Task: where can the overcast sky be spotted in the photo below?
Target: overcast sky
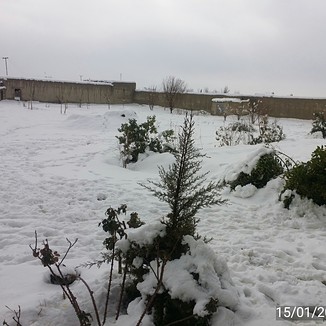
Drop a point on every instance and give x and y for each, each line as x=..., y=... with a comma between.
x=252, y=46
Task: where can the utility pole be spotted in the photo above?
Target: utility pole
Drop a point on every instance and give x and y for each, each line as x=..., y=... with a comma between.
x=6, y=64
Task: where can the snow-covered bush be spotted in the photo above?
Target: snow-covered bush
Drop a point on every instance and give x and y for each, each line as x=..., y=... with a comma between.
x=244, y=133
x=319, y=124
x=235, y=133
x=172, y=273
x=267, y=168
x=307, y=179
x=189, y=288
x=263, y=165
x=137, y=138
x=268, y=132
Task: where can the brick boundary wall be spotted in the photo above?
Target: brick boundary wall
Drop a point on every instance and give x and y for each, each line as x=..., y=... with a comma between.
x=278, y=107
x=69, y=92
x=125, y=92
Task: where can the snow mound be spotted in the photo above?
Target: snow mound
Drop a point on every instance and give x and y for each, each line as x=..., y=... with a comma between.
x=109, y=120
x=150, y=161
x=247, y=165
x=245, y=191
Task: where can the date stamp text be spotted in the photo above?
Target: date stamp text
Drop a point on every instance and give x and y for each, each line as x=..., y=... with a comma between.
x=301, y=312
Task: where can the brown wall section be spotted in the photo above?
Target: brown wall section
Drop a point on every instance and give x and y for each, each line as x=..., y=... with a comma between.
x=125, y=92
x=62, y=92
x=187, y=101
x=300, y=108
x=278, y=107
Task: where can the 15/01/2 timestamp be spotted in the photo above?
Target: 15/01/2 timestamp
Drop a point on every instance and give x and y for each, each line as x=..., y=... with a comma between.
x=301, y=312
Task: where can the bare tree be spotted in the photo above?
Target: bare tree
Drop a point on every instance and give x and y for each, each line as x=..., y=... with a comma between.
x=257, y=110
x=63, y=97
x=151, y=96
x=81, y=95
x=226, y=89
x=172, y=88
x=107, y=96
x=31, y=95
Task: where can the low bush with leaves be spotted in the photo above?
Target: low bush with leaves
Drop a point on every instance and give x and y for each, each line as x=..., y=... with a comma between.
x=137, y=138
x=307, y=179
x=319, y=124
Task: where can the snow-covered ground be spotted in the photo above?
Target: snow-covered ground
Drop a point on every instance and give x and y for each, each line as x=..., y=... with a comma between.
x=54, y=169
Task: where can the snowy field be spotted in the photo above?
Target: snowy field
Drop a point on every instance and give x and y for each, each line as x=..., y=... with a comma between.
x=55, y=167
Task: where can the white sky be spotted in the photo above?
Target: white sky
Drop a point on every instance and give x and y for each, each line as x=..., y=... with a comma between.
x=253, y=46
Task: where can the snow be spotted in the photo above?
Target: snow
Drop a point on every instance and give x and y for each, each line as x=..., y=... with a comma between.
x=49, y=79
x=142, y=235
x=60, y=173
x=247, y=165
x=229, y=99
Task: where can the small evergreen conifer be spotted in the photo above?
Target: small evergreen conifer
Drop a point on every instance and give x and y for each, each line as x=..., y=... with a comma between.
x=182, y=187
x=173, y=241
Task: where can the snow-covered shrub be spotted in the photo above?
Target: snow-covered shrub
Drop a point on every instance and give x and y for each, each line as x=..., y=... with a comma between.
x=307, y=179
x=172, y=273
x=268, y=132
x=244, y=133
x=261, y=166
x=137, y=138
x=267, y=168
x=234, y=134
x=319, y=124
x=189, y=288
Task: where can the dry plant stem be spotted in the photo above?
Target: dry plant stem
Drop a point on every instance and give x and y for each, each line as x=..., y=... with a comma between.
x=73, y=299
x=65, y=287
x=109, y=286
x=71, y=244
x=66, y=290
x=93, y=301
x=121, y=293
x=16, y=318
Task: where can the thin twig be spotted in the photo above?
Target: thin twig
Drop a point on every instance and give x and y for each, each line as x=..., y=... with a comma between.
x=66, y=290
x=17, y=315
x=71, y=244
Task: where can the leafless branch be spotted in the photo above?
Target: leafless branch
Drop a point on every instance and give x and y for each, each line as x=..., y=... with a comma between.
x=71, y=244
x=17, y=316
